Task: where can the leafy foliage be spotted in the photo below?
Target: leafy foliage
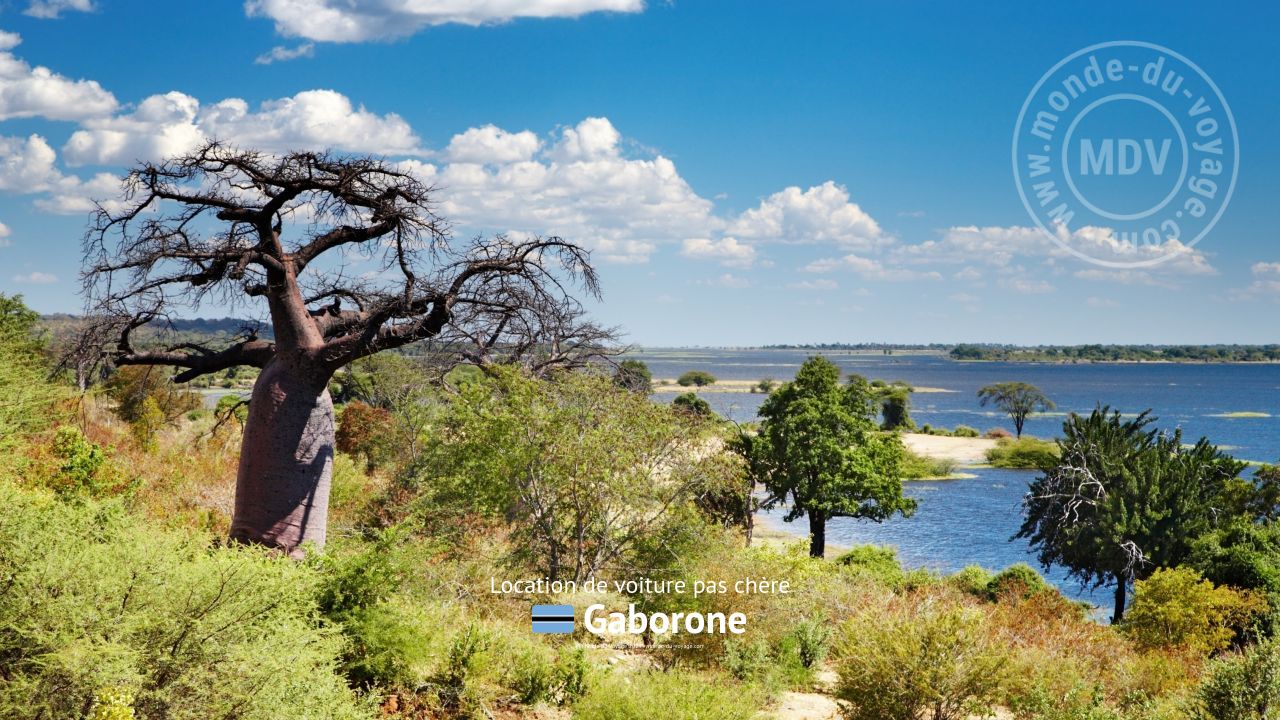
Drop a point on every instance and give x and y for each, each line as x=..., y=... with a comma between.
x=634, y=375
x=1177, y=608
x=1023, y=453
x=934, y=663
x=690, y=404
x=1018, y=399
x=696, y=378
x=1124, y=499
x=1243, y=687
x=96, y=599
x=820, y=450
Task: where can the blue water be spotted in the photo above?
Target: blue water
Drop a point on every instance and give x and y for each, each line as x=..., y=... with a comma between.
x=970, y=521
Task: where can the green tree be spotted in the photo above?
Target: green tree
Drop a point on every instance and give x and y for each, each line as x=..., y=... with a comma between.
x=895, y=405
x=1124, y=499
x=1177, y=608
x=583, y=470
x=1018, y=399
x=26, y=395
x=819, y=450
x=634, y=375
x=696, y=378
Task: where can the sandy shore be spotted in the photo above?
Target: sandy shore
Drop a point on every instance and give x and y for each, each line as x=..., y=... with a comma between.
x=963, y=450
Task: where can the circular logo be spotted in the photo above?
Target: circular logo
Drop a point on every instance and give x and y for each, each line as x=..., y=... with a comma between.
x=1125, y=154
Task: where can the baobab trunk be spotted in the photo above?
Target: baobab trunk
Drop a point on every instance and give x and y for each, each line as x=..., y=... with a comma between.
x=286, y=459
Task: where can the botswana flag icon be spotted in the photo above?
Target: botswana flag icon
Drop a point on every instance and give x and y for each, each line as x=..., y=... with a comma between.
x=552, y=618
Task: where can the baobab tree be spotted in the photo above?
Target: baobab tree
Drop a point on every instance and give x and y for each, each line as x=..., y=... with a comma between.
x=287, y=233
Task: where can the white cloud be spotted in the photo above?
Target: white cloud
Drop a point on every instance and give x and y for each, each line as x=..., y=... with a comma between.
x=174, y=122
x=27, y=167
x=727, y=250
x=52, y=9
x=39, y=92
x=1101, y=303
x=492, y=145
x=36, y=278
x=822, y=214
x=581, y=187
x=281, y=53
x=5, y=232
x=346, y=21
x=1266, y=282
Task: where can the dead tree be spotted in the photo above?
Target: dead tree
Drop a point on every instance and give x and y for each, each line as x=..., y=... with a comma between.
x=286, y=233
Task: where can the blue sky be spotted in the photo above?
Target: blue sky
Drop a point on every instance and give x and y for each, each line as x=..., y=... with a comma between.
x=744, y=172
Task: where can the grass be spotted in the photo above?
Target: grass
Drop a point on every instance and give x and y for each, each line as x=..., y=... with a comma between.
x=918, y=467
x=1241, y=414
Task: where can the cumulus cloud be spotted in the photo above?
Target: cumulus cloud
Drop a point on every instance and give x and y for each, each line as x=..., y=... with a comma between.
x=728, y=280
x=821, y=214
x=1026, y=286
x=52, y=9
x=36, y=278
x=280, y=53
x=39, y=92
x=727, y=250
x=28, y=166
x=346, y=21
x=492, y=144
x=5, y=232
x=580, y=186
x=174, y=122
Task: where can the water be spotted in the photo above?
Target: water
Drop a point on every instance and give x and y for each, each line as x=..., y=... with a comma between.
x=970, y=521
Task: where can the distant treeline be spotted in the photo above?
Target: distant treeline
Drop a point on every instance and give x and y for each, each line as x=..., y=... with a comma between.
x=173, y=331
x=876, y=347
x=1118, y=353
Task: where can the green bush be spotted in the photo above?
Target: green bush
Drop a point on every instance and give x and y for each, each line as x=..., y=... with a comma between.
x=692, y=404
x=1026, y=453
x=96, y=601
x=878, y=562
x=1241, y=687
x=669, y=696
x=916, y=466
x=972, y=579
x=1018, y=580
x=931, y=662
x=1177, y=608
x=965, y=431
x=812, y=639
x=697, y=378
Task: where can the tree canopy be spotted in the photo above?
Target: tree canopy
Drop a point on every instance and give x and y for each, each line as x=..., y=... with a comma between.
x=819, y=449
x=1018, y=399
x=1125, y=499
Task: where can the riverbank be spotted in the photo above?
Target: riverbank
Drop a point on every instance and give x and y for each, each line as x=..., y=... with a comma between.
x=669, y=385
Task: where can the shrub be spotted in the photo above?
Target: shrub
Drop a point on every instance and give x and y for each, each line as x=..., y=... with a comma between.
x=690, y=404
x=972, y=579
x=132, y=385
x=1023, y=453
x=95, y=600
x=965, y=431
x=1177, y=608
x=670, y=696
x=1241, y=687
x=916, y=466
x=634, y=375
x=878, y=562
x=766, y=386
x=812, y=640
x=932, y=661
x=365, y=430
x=997, y=433
x=1018, y=580
x=83, y=468
x=697, y=378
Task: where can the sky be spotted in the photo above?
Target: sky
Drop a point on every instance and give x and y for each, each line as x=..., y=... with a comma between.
x=744, y=173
